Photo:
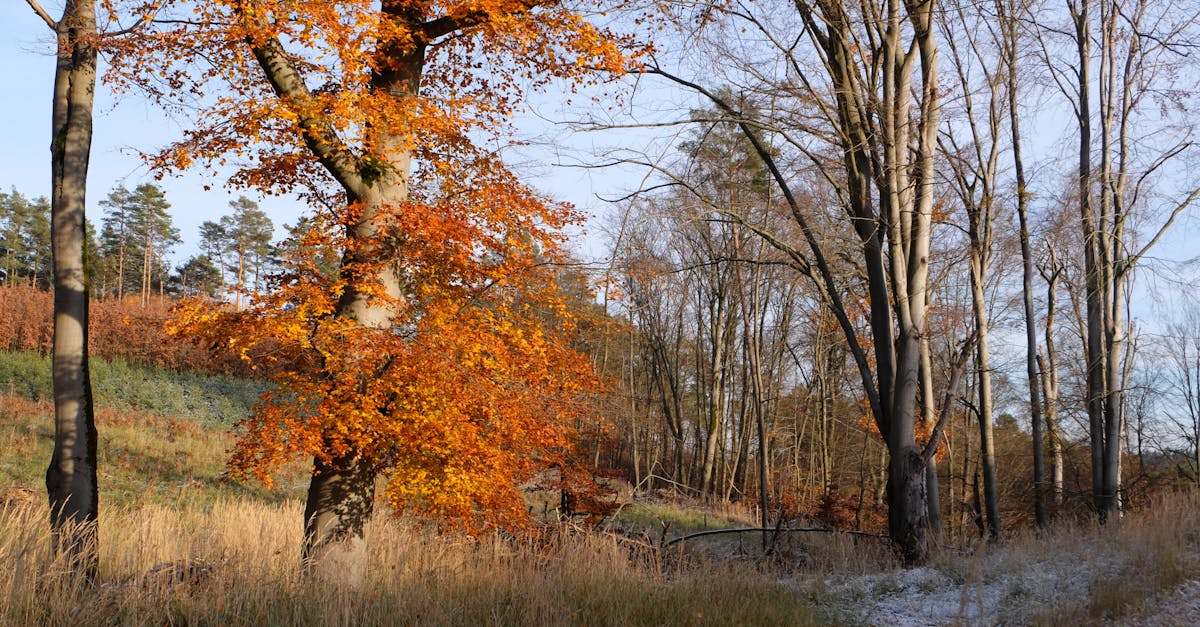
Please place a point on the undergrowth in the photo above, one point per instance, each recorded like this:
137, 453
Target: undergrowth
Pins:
122, 387
236, 563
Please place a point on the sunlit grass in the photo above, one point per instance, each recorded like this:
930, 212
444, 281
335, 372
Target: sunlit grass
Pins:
182, 544
244, 570
143, 457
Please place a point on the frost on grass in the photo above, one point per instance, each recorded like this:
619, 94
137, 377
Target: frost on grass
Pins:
1140, 577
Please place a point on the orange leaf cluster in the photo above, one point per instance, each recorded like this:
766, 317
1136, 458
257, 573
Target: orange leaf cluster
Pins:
474, 79
470, 391
389, 115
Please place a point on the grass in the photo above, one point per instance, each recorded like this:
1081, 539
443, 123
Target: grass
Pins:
249, 552
653, 517
166, 507
123, 387
1128, 566
165, 500
143, 457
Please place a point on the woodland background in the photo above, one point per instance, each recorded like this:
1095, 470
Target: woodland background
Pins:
837, 208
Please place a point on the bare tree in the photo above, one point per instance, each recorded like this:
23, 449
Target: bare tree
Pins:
1008, 16
1138, 56
71, 482
874, 91
975, 180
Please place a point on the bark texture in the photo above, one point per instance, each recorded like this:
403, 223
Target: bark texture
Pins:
71, 482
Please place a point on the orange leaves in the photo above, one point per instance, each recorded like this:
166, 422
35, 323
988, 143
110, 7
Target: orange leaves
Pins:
459, 399
476, 60
437, 346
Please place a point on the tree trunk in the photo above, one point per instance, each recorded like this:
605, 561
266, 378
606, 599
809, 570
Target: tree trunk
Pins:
908, 514
929, 420
1008, 22
1049, 377
341, 498
71, 482
341, 494
987, 446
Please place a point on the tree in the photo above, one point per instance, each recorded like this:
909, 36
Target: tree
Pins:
71, 482
1008, 15
116, 232
213, 243
25, 254
1137, 57
875, 93
140, 221
154, 234
198, 276
974, 180
419, 357
247, 235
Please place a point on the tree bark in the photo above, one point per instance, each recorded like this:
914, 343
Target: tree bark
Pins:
341, 498
71, 482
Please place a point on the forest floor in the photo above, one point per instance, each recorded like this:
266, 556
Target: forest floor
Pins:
167, 503
1141, 570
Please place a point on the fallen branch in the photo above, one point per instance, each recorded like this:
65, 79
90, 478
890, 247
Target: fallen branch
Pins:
713, 532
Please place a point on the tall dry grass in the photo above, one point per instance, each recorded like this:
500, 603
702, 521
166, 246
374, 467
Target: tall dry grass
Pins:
236, 563
1081, 572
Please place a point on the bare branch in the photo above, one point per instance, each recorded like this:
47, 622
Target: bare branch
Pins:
37, 8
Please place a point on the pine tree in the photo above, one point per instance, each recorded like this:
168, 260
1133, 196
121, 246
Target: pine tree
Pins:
24, 240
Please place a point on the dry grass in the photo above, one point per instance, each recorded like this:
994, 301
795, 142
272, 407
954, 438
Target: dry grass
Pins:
1127, 567
236, 564
182, 545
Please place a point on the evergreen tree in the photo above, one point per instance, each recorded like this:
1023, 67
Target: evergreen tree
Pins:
24, 240
198, 276
138, 233
214, 243
248, 232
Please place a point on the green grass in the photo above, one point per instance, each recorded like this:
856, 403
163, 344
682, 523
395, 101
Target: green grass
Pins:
123, 387
164, 437
653, 517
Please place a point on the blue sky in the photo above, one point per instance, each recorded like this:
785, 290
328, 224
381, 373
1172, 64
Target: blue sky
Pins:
121, 129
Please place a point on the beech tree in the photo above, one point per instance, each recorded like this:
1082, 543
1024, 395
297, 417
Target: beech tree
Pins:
71, 481
423, 356
1125, 53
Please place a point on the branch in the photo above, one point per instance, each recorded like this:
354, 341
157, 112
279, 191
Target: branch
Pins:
957, 368
318, 133
713, 532
450, 23
37, 8
147, 18
827, 283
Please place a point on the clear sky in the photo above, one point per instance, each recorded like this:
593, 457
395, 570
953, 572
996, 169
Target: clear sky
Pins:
121, 129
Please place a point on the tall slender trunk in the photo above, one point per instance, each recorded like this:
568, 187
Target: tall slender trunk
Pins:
1049, 377
1008, 25
1093, 340
71, 482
